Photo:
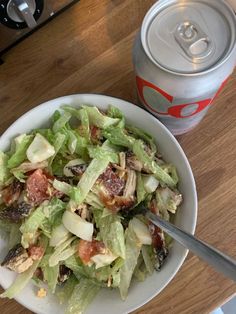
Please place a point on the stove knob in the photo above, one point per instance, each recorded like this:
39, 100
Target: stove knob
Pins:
22, 11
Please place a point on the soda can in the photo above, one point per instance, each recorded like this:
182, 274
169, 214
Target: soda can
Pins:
183, 55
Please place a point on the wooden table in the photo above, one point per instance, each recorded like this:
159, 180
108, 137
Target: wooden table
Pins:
88, 49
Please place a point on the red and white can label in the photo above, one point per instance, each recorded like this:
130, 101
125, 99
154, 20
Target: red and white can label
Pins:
163, 104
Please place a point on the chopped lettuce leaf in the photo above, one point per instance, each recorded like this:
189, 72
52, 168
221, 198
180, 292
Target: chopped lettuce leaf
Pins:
30, 226
4, 172
101, 152
62, 252
83, 294
132, 252
141, 192
117, 136
98, 119
84, 127
58, 143
111, 232
140, 271
22, 143
15, 235
64, 293
140, 134
50, 274
148, 257
159, 173
114, 112
61, 122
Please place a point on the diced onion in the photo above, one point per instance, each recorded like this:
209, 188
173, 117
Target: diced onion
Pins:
78, 226
141, 231
59, 235
40, 149
150, 183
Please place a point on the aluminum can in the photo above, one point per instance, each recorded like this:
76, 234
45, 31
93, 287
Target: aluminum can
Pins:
183, 55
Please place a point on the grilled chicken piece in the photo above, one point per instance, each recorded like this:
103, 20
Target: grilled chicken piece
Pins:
17, 259
16, 213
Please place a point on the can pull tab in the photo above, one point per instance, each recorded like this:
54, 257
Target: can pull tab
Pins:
195, 43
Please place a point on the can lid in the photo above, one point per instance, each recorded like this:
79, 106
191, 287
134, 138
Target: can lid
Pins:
189, 36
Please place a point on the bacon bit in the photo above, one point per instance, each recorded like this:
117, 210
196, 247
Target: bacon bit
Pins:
42, 293
12, 192
36, 252
112, 182
39, 188
87, 249
156, 234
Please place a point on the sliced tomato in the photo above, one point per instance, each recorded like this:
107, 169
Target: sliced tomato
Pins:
37, 186
87, 249
12, 192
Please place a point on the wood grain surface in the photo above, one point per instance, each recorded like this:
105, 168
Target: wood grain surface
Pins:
88, 49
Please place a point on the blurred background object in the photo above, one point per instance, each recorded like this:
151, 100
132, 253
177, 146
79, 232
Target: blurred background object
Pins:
19, 18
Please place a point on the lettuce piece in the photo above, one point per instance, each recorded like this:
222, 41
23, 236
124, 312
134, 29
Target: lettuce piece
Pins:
117, 136
84, 127
62, 252
149, 258
64, 293
63, 187
159, 173
23, 279
58, 143
171, 170
100, 277
83, 294
141, 134
101, 152
58, 165
140, 271
31, 225
14, 236
111, 232
114, 112
98, 119
4, 172
140, 190
22, 143
50, 274
61, 122
132, 251
45, 217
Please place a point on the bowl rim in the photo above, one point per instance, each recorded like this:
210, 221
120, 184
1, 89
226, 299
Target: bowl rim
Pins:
162, 126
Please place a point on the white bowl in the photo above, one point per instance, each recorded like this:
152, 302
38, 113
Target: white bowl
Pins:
139, 293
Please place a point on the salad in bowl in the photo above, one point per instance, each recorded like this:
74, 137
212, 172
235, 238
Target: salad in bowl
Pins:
71, 199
